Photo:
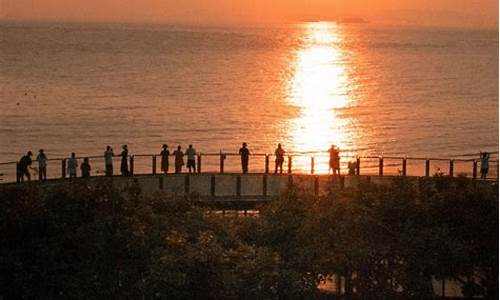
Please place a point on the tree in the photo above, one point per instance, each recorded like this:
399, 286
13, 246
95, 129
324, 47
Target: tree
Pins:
88, 241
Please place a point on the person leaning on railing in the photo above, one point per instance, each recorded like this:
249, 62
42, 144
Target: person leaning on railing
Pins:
72, 165
244, 154
280, 158
124, 162
108, 161
164, 158
334, 163
179, 159
42, 165
23, 165
85, 168
191, 159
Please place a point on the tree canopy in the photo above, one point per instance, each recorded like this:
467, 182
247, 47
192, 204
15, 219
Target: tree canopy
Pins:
386, 241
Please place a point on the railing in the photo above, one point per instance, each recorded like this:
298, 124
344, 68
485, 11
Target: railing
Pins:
294, 163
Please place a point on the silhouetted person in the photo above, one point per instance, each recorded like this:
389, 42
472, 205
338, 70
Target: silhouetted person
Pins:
108, 161
23, 165
191, 158
244, 154
334, 160
85, 168
280, 158
352, 167
42, 165
179, 159
485, 164
124, 162
164, 158
72, 165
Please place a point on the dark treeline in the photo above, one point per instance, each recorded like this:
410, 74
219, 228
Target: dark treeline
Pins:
388, 242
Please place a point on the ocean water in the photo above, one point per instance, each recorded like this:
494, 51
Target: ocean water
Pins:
370, 90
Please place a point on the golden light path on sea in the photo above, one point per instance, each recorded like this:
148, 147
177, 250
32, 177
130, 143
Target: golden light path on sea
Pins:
319, 87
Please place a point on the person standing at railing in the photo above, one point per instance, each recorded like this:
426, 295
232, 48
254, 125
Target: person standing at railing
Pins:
164, 158
23, 165
244, 154
352, 167
179, 159
42, 165
334, 162
85, 168
485, 157
124, 162
191, 158
72, 165
280, 158
108, 161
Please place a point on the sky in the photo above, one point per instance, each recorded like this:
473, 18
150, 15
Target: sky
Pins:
425, 12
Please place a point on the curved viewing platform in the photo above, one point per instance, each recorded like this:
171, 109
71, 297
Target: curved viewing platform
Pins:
226, 191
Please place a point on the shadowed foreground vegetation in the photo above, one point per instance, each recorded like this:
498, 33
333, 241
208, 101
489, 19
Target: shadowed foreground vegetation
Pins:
388, 242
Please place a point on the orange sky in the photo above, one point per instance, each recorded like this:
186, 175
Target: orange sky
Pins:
428, 12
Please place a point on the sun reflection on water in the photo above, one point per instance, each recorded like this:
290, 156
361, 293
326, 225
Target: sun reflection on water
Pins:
319, 87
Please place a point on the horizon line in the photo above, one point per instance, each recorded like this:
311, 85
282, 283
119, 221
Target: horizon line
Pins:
206, 23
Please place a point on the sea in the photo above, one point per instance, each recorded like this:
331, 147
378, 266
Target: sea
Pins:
368, 89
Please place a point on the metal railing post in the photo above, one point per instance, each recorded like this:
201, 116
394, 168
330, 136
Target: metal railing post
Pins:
312, 164
358, 165
451, 168
221, 163
154, 164
381, 166
404, 167
267, 164
474, 169
427, 167
199, 163
289, 164
63, 168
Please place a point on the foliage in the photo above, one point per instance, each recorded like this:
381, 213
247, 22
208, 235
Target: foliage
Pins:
392, 240
388, 241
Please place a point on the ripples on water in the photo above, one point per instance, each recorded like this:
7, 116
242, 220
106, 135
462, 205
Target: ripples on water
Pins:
367, 89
